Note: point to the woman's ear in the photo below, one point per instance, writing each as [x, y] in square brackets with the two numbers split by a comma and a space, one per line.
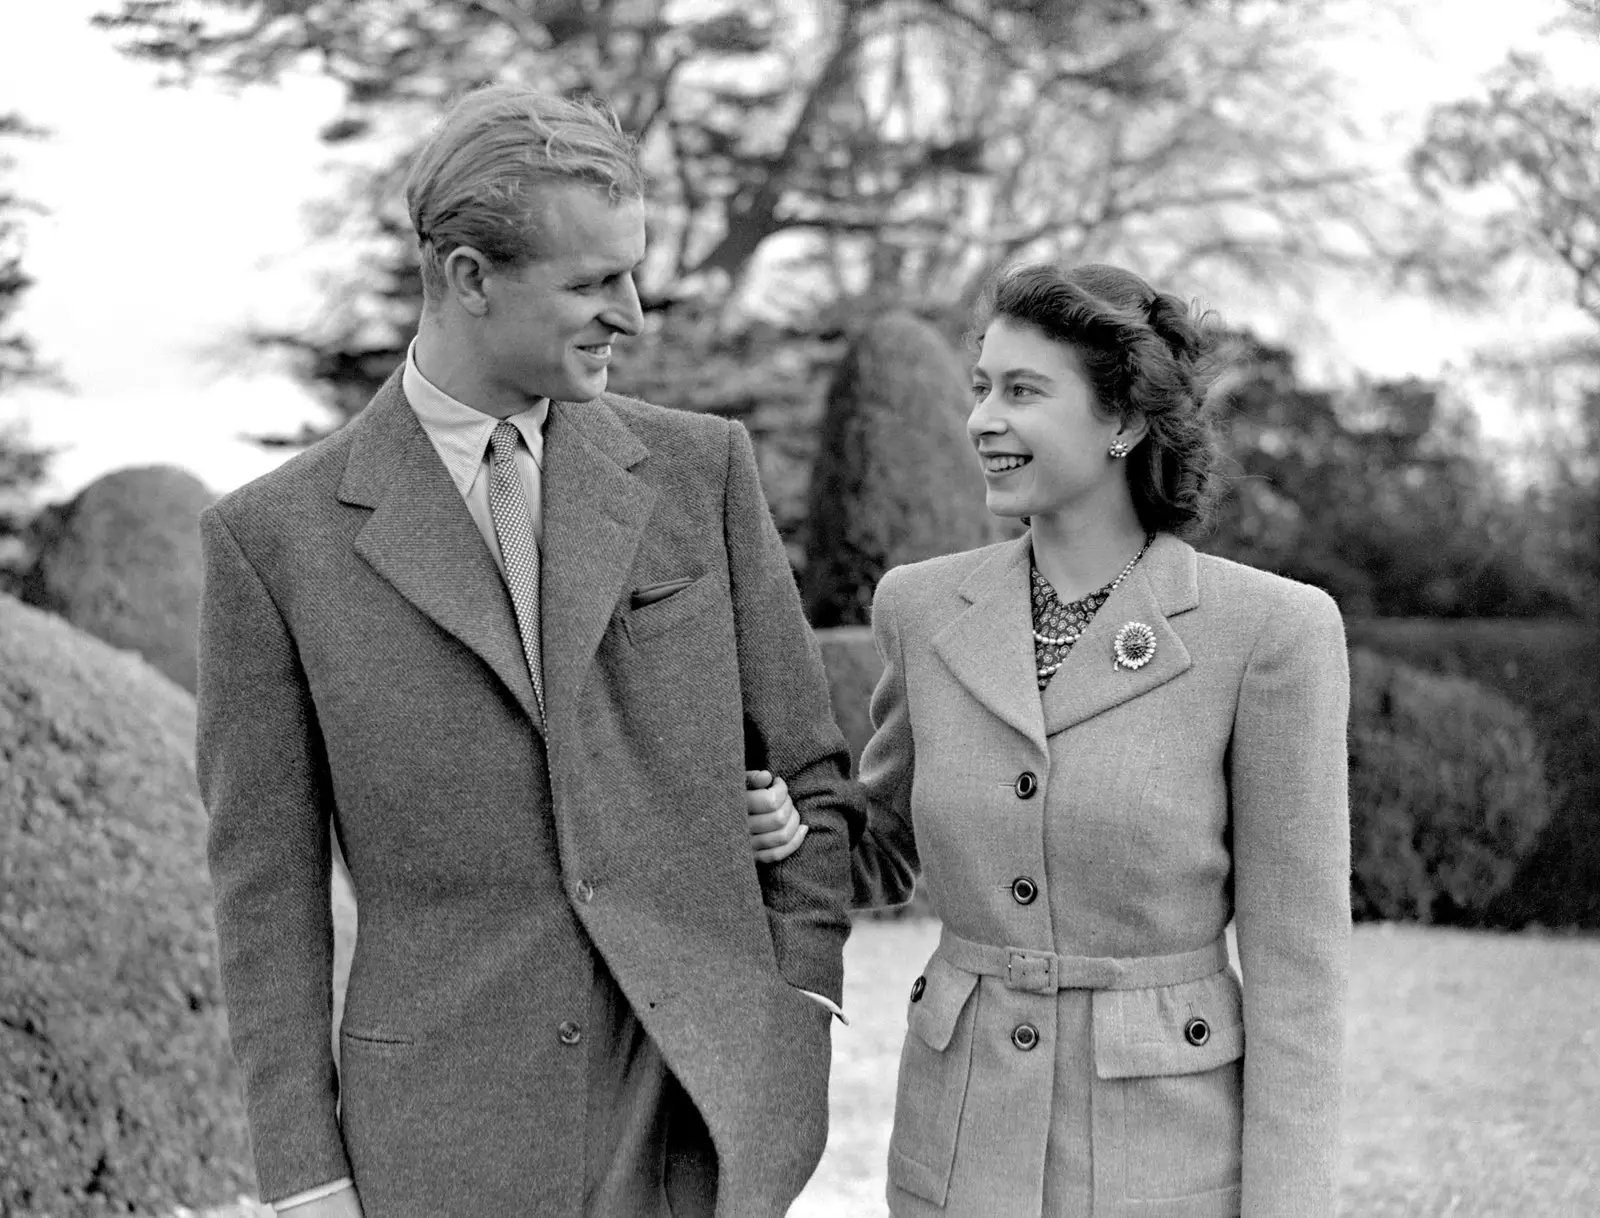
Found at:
[1133, 428]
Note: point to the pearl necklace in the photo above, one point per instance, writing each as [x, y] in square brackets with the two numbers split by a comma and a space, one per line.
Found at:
[1046, 671]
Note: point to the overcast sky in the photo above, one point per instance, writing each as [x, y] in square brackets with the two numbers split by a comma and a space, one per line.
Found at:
[177, 218]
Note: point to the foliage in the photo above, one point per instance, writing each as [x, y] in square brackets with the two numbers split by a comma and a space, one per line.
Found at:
[22, 465]
[1552, 670]
[902, 147]
[1447, 793]
[894, 479]
[122, 562]
[1382, 495]
[119, 1094]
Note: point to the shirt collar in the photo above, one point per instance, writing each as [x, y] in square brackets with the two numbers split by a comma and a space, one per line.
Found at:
[460, 432]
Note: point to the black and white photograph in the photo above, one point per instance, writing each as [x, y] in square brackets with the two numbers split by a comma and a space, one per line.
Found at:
[812, 608]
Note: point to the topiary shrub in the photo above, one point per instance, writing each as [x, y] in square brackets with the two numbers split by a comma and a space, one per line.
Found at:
[118, 1093]
[895, 478]
[1447, 793]
[122, 561]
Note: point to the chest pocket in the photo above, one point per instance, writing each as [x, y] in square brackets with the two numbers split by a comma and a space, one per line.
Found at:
[935, 1064]
[1169, 1106]
[648, 621]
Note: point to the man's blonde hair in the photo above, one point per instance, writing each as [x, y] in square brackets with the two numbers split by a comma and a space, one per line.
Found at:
[477, 180]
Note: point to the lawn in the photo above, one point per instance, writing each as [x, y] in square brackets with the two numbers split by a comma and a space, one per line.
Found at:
[1473, 1079]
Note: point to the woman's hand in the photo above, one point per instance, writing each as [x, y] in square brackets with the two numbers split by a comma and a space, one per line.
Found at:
[776, 830]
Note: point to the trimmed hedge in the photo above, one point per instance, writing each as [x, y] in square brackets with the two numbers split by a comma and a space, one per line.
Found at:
[118, 1093]
[122, 561]
[895, 478]
[1552, 670]
[1447, 793]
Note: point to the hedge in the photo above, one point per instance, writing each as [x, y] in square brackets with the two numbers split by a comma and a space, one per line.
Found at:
[1447, 793]
[1552, 670]
[895, 478]
[118, 1093]
[122, 561]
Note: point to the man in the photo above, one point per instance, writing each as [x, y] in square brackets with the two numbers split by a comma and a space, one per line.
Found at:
[518, 638]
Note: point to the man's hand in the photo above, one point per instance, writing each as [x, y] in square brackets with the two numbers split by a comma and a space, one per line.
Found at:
[776, 830]
[342, 1204]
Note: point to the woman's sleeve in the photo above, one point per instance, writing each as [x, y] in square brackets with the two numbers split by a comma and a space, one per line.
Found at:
[1289, 783]
[884, 863]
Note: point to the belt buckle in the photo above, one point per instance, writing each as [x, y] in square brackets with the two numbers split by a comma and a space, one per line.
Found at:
[1031, 972]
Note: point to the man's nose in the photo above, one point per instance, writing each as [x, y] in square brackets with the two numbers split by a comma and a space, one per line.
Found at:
[623, 313]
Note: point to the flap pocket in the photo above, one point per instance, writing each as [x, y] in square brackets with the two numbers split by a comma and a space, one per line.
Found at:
[1169, 1029]
[651, 619]
[945, 990]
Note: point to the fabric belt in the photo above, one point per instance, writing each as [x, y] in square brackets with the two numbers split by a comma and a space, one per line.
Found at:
[1045, 972]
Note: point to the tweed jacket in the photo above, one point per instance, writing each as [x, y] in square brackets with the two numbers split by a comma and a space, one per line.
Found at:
[359, 663]
[1110, 829]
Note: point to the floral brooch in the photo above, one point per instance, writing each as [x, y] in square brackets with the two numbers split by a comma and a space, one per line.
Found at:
[1134, 646]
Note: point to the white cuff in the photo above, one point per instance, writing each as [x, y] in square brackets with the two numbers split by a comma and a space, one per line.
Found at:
[827, 1002]
[313, 1194]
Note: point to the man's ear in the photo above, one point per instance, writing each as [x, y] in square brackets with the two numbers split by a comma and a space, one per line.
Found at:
[464, 272]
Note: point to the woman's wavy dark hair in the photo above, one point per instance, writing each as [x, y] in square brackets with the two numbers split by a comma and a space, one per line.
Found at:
[1144, 353]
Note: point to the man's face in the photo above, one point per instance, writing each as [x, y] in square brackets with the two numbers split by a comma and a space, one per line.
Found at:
[549, 324]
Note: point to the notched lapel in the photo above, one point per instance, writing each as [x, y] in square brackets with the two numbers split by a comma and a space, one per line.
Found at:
[595, 512]
[1090, 682]
[423, 541]
[989, 647]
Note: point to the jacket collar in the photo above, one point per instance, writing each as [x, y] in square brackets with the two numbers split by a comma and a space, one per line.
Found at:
[423, 541]
[989, 646]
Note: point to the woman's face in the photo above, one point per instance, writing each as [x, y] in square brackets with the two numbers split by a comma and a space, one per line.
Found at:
[1038, 429]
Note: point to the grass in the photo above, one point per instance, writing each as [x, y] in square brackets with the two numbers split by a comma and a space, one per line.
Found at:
[1473, 1080]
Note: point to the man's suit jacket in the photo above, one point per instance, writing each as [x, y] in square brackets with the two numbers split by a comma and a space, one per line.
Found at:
[359, 659]
[1209, 784]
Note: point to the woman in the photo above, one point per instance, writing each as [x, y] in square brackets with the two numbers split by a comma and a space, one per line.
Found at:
[1100, 747]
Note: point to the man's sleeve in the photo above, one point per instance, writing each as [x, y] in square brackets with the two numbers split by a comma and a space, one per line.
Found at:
[264, 781]
[790, 730]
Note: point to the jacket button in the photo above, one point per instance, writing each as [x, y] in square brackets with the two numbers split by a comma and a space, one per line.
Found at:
[1023, 890]
[584, 891]
[1025, 1036]
[1027, 784]
[569, 1033]
[1197, 1031]
[917, 986]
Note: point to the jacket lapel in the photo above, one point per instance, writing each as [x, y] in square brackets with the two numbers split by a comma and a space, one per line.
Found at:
[595, 511]
[1164, 584]
[422, 540]
[989, 647]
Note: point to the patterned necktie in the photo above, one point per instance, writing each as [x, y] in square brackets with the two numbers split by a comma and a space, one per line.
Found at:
[518, 547]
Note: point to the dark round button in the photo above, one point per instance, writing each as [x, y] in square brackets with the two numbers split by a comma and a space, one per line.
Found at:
[1027, 784]
[584, 891]
[1025, 1036]
[1023, 890]
[1197, 1031]
[917, 986]
[569, 1033]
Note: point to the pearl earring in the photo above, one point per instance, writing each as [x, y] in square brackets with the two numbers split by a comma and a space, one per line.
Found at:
[1119, 448]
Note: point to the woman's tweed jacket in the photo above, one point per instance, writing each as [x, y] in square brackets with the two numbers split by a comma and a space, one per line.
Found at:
[359, 661]
[1208, 785]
